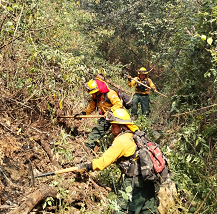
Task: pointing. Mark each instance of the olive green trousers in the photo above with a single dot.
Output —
(143, 197)
(97, 133)
(144, 100)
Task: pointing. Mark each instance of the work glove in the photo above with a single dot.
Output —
(129, 78)
(82, 113)
(154, 89)
(87, 166)
(108, 112)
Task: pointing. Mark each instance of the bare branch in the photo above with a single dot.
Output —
(176, 115)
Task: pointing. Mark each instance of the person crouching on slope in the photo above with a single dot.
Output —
(141, 92)
(105, 99)
(123, 153)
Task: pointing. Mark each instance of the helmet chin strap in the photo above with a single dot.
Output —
(122, 129)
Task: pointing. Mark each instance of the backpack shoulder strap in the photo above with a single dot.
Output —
(124, 132)
(106, 99)
(141, 139)
(148, 82)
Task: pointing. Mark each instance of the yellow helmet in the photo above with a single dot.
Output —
(91, 87)
(142, 71)
(119, 116)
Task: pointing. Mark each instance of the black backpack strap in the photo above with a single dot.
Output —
(106, 99)
(134, 177)
(148, 82)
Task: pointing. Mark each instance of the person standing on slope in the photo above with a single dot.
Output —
(105, 99)
(141, 92)
(123, 153)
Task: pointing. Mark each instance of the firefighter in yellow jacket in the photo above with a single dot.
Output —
(105, 99)
(141, 92)
(123, 153)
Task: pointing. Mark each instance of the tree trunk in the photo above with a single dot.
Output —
(34, 198)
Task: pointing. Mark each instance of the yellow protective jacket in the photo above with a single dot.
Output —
(149, 83)
(115, 102)
(123, 146)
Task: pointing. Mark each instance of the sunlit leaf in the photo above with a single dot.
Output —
(60, 104)
(19, 130)
(209, 40)
(49, 203)
(203, 37)
(15, 6)
(188, 159)
(9, 8)
(124, 195)
(44, 205)
(129, 189)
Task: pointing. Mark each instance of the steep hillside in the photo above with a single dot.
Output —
(49, 49)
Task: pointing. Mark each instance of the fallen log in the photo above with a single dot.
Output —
(7, 206)
(34, 198)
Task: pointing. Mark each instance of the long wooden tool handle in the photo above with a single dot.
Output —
(147, 86)
(161, 94)
(83, 116)
(71, 169)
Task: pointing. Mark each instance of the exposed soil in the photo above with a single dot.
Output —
(30, 143)
(34, 140)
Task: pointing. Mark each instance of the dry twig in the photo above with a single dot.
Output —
(198, 210)
(176, 115)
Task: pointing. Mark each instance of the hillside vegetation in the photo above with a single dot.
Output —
(49, 49)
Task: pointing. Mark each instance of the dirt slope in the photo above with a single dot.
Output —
(31, 139)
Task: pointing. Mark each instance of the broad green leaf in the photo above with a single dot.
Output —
(209, 40)
(15, 6)
(188, 159)
(129, 189)
(124, 195)
(112, 196)
(49, 203)
(9, 8)
(44, 205)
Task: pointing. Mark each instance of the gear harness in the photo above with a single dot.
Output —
(142, 88)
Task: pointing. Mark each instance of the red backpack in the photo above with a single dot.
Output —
(153, 163)
(156, 157)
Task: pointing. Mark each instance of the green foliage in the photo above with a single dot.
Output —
(144, 123)
(49, 49)
(61, 148)
(127, 193)
(63, 192)
(190, 162)
(110, 177)
(48, 201)
(52, 44)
